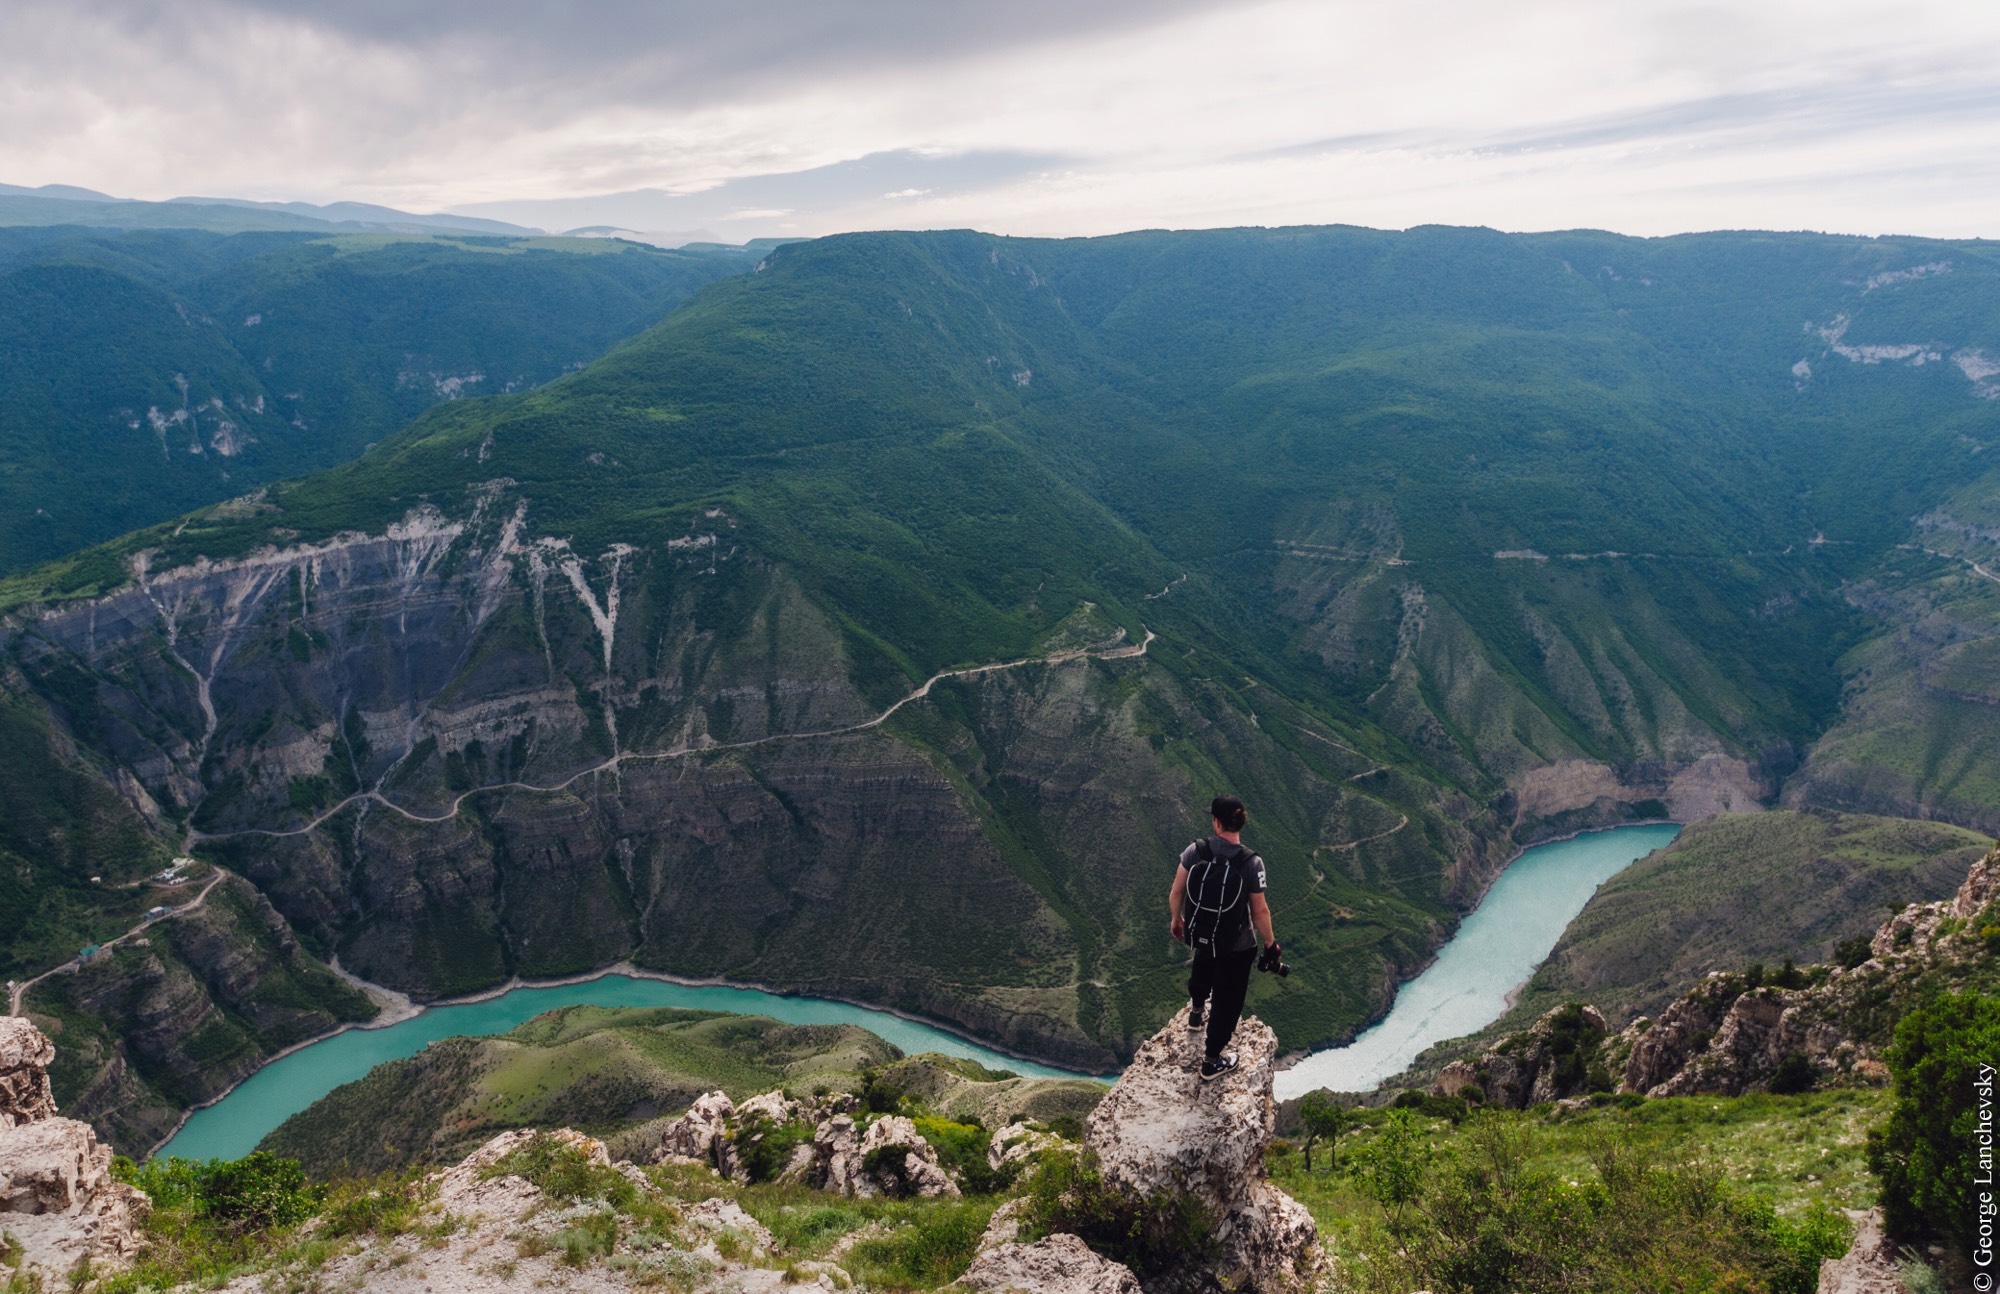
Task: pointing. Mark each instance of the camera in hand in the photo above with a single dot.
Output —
(1272, 962)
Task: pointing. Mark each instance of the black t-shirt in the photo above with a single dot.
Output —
(1236, 914)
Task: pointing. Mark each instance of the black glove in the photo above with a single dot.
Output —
(1272, 962)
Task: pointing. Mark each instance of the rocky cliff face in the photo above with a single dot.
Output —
(180, 1014)
(457, 750)
(1732, 1034)
(58, 1204)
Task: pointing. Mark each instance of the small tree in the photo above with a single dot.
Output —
(1325, 1119)
(1394, 1174)
(1926, 1154)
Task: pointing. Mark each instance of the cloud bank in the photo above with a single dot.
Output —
(785, 117)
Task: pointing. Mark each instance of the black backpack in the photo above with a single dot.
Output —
(1218, 889)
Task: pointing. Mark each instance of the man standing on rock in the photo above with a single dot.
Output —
(1218, 896)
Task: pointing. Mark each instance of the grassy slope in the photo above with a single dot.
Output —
(612, 1071)
(1787, 1152)
(1738, 890)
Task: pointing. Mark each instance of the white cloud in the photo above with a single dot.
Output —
(1649, 116)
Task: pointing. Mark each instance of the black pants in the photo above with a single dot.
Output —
(1220, 980)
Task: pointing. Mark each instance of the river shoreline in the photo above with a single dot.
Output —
(400, 1008)
(1287, 1059)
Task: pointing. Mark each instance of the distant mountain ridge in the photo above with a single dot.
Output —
(144, 372)
(63, 204)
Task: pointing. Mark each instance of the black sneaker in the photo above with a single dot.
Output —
(1194, 1017)
(1217, 1066)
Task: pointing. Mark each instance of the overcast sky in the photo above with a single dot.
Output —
(763, 117)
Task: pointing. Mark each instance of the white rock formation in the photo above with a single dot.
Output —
(1061, 1264)
(1163, 1129)
(922, 1174)
(775, 1106)
(837, 1157)
(1016, 1144)
(701, 1136)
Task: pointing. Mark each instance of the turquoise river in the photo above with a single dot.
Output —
(1496, 948)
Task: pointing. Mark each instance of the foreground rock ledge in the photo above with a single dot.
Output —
(58, 1203)
(1162, 1129)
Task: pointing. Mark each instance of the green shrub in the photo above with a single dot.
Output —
(806, 1229)
(962, 1149)
(1801, 1244)
(1925, 1155)
(881, 1096)
(1454, 1108)
(1853, 950)
(764, 1146)
(1150, 1235)
(934, 1250)
(591, 1237)
(1489, 1215)
(1794, 1074)
(564, 1173)
(257, 1191)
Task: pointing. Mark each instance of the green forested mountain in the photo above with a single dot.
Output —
(1427, 543)
(147, 372)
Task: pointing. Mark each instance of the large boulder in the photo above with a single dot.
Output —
(25, 1057)
(1060, 1264)
(1163, 1129)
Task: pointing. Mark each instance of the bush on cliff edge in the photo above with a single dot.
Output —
(1925, 1155)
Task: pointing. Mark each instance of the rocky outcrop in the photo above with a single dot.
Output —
(25, 1057)
(1737, 1032)
(1060, 1264)
(1552, 1060)
(1727, 1039)
(890, 1157)
(837, 1157)
(701, 1136)
(900, 1162)
(491, 1232)
(57, 1200)
(1015, 1145)
(1162, 1129)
